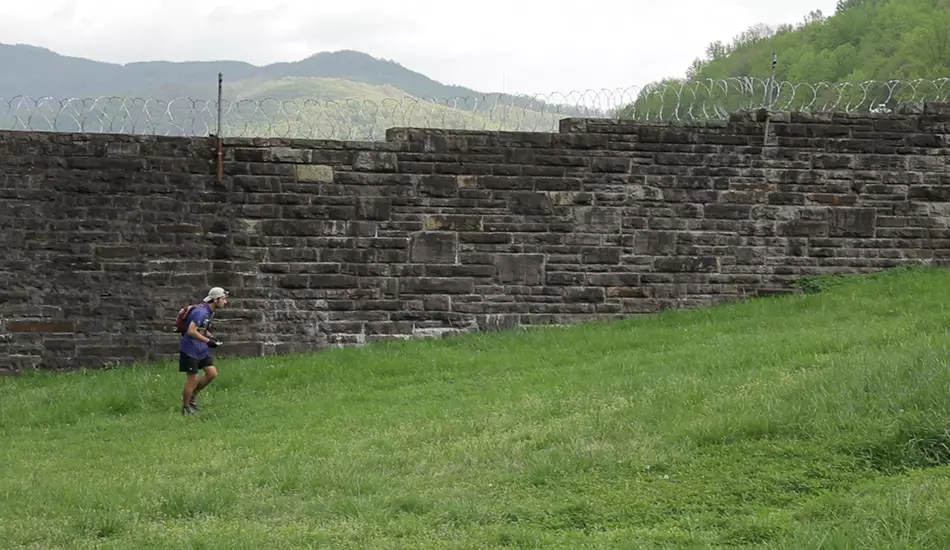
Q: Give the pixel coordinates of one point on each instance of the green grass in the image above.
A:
(808, 422)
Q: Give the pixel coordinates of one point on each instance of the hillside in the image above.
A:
(340, 95)
(879, 46)
(782, 423)
(335, 108)
(863, 40)
(39, 72)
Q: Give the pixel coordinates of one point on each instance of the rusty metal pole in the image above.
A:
(767, 101)
(220, 141)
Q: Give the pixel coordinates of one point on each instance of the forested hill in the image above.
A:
(868, 55)
(863, 40)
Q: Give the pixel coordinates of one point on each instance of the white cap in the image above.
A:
(216, 292)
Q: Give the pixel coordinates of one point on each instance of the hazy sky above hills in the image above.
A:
(526, 46)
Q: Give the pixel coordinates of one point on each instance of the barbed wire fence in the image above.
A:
(368, 120)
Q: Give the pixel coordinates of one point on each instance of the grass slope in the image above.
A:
(795, 422)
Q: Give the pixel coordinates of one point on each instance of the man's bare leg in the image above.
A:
(191, 383)
(210, 374)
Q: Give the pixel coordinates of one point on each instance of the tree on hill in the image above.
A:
(869, 52)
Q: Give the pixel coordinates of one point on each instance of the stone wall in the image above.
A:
(104, 237)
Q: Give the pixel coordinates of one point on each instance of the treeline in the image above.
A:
(869, 54)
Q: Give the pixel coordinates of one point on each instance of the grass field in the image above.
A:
(796, 422)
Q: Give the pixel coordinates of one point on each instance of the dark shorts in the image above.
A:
(191, 365)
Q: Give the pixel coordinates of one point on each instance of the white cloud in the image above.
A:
(526, 46)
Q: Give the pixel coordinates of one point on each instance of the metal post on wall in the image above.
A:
(767, 100)
(218, 134)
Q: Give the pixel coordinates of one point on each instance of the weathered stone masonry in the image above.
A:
(103, 237)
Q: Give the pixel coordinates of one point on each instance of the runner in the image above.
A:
(195, 348)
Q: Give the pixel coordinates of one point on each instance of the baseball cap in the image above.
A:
(215, 292)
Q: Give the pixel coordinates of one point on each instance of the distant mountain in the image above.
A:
(343, 94)
(38, 72)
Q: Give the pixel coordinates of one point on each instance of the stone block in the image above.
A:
(373, 161)
(467, 182)
(113, 252)
(597, 219)
(833, 199)
(687, 264)
(330, 280)
(248, 154)
(180, 228)
(750, 255)
(531, 203)
(929, 193)
(601, 255)
(452, 222)
(803, 228)
(566, 278)
(374, 209)
(614, 280)
(644, 193)
(610, 165)
(524, 269)
(434, 248)
(655, 243)
(728, 211)
(853, 222)
(43, 326)
(439, 186)
(443, 270)
(588, 295)
(289, 155)
(314, 173)
(437, 303)
(568, 198)
(436, 285)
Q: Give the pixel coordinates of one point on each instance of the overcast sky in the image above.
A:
(523, 46)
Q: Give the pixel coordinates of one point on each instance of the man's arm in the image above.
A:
(193, 332)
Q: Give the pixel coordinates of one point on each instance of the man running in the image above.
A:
(194, 352)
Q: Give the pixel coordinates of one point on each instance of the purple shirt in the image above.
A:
(201, 316)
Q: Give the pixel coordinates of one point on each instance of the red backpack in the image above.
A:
(182, 318)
